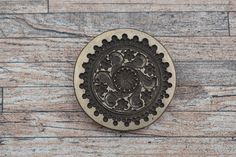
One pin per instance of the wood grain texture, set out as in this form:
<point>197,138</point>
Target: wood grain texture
<point>41,49</point>
<point>107,147</point>
<point>140,5</point>
<point>90,24</point>
<point>23,6</point>
<point>61,73</point>
<point>77,124</point>
<point>1,100</point>
<point>40,99</point>
<point>41,116</point>
<point>195,98</point>
<point>232,23</point>
<point>36,74</point>
<point>68,49</point>
<point>1,95</point>
<point>206,73</point>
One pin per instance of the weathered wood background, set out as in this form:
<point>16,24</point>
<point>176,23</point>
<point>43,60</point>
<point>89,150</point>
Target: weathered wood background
<point>41,39</point>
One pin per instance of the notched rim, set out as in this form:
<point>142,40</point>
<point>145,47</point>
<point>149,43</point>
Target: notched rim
<point>88,64</point>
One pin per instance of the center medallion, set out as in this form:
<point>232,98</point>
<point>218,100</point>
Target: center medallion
<point>126,79</point>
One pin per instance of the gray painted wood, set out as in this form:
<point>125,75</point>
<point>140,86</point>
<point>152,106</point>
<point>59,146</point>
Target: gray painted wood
<point>187,98</point>
<point>78,124</point>
<point>61,73</point>
<point>232,23</point>
<point>206,73</point>
<point>200,120</point>
<point>140,5</point>
<point>1,100</point>
<point>90,24</point>
<point>68,49</point>
<point>107,147</point>
<point>23,6</point>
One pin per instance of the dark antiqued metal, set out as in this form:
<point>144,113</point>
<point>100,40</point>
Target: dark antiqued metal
<point>126,78</point>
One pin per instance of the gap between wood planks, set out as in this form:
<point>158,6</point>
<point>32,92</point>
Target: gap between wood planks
<point>149,5</point>
<point>210,144</point>
<point>46,6</point>
<point>1,100</point>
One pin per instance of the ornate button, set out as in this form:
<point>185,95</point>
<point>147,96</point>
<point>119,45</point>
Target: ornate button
<point>124,79</point>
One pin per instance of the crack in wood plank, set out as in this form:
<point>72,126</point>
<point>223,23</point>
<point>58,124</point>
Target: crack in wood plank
<point>32,121</point>
<point>76,24</point>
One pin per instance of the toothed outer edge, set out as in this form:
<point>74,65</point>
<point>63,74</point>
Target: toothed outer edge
<point>82,69</point>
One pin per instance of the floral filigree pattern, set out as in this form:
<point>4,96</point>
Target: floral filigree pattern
<point>101,88</point>
<point>122,104</point>
<point>105,64</point>
<point>126,80</point>
<point>126,77</point>
<point>129,54</point>
<point>149,69</point>
<point>146,95</point>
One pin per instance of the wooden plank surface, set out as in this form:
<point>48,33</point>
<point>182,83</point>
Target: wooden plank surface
<point>206,73</point>
<point>23,6</point>
<point>61,73</point>
<point>232,23</point>
<point>36,74</point>
<point>107,147</point>
<point>140,5</point>
<point>41,39</point>
<point>68,49</point>
<point>77,124</point>
<point>1,100</point>
<point>90,24</point>
<point>189,98</point>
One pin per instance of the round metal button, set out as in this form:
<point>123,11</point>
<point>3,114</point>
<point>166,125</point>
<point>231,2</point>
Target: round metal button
<point>124,79</point>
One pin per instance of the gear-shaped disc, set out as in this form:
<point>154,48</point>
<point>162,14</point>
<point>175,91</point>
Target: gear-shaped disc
<point>124,79</point>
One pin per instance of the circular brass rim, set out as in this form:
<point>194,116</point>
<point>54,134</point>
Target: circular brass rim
<point>89,48</point>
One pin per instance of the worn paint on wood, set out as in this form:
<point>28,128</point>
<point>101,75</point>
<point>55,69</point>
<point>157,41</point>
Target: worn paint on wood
<point>189,98</point>
<point>1,100</point>
<point>76,124</point>
<point>140,5</point>
<point>136,146</point>
<point>90,24</point>
<point>232,23</point>
<point>23,6</point>
<point>206,73</point>
<point>200,121</point>
<point>68,49</point>
<point>61,73</point>
<point>36,74</point>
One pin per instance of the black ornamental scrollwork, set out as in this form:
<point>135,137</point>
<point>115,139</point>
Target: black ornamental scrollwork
<point>125,79</point>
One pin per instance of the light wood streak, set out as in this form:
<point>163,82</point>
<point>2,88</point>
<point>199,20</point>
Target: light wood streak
<point>61,124</point>
<point>198,98</point>
<point>140,5</point>
<point>107,147</point>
